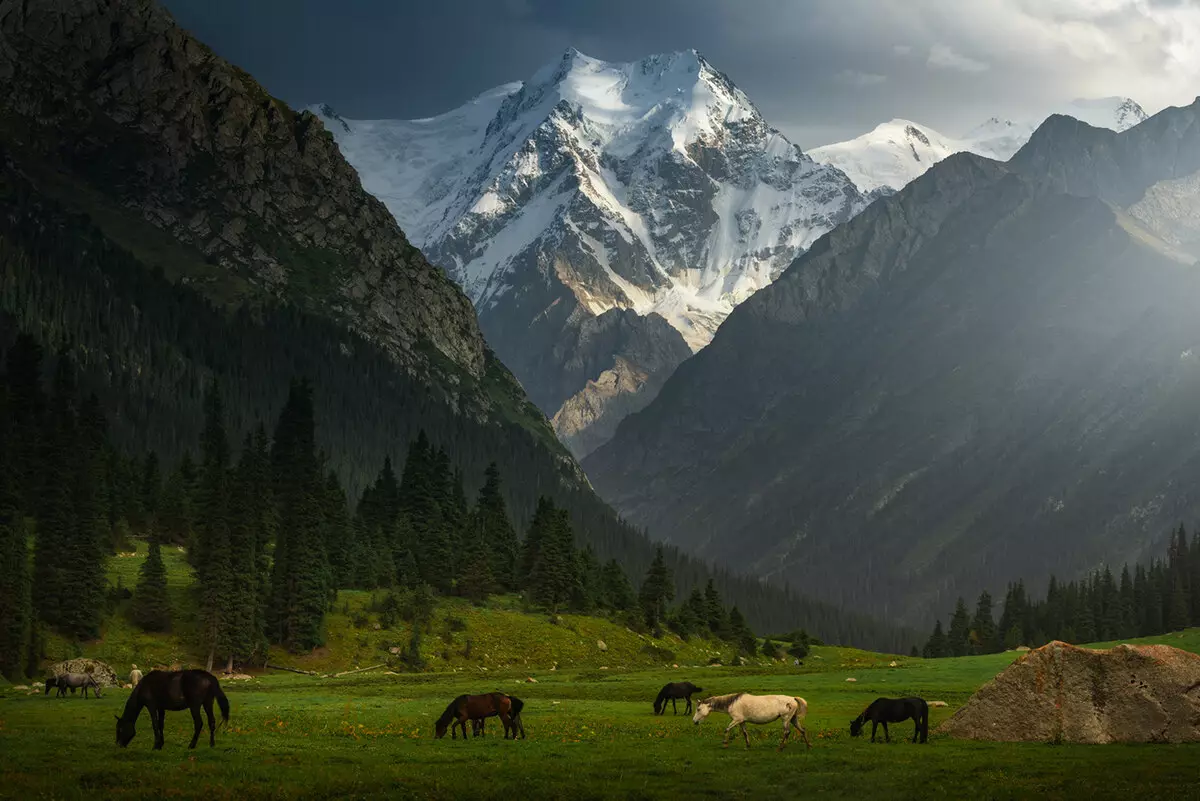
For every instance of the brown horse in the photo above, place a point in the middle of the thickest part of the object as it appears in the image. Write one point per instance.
(476, 707)
(477, 724)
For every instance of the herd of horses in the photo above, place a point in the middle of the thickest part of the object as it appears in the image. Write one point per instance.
(162, 691)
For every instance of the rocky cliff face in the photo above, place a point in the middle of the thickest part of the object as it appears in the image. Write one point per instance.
(985, 376)
(117, 97)
(654, 187)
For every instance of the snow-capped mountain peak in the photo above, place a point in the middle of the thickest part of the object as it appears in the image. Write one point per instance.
(891, 155)
(652, 186)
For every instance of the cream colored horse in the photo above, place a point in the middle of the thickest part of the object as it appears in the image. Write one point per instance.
(744, 708)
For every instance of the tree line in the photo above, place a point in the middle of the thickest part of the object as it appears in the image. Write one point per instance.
(269, 534)
(147, 345)
(1144, 601)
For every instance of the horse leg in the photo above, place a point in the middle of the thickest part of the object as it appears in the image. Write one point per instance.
(212, 724)
(157, 721)
(197, 723)
(506, 720)
(745, 736)
(887, 737)
(674, 708)
(916, 727)
(787, 729)
(687, 710)
(874, 728)
(803, 733)
(728, 729)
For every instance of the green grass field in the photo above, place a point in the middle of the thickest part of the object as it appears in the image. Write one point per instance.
(591, 730)
(592, 734)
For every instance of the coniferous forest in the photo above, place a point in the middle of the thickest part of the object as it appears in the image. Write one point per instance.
(149, 346)
(269, 532)
(1145, 600)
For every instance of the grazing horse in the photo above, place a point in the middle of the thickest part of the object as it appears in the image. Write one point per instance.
(72, 681)
(475, 707)
(673, 692)
(477, 724)
(162, 691)
(744, 708)
(894, 710)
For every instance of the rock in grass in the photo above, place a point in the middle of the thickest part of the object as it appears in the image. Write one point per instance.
(1062, 693)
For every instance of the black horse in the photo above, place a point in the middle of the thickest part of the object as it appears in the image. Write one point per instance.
(894, 710)
(673, 692)
(162, 691)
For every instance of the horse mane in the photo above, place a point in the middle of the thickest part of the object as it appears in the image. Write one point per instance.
(450, 710)
(721, 703)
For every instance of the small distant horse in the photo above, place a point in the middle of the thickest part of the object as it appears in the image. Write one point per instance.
(472, 707)
(477, 724)
(745, 708)
(73, 681)
(894, 710)
(162, 691)
(673, 692)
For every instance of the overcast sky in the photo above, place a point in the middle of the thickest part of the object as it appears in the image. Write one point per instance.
(820, 70)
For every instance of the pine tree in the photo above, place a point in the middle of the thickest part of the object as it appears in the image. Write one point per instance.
(741, 634)
(497, 530)
(553, 577)
(718, 622)
(616, 593)
(1126, 612)
(55, 508)
(89, 538)
(938, 645)
(984, 627)
(959, 640)
(587, 584)
(1178, 609)
(210, 553)
(16, 606)
(151, 487)
(27, 410)
(300, 573)
(658, 588)
(151, 607)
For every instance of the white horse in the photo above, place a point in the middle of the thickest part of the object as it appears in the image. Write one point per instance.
(745, 708)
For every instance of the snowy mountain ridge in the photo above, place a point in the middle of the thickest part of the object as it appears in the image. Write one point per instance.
(595, 188)
(886, 158)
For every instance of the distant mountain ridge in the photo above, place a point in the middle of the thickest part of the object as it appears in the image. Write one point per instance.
(887, 158)
(991, 373)
(654, 187)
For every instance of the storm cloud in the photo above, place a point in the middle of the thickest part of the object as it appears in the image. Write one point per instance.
(820, 70)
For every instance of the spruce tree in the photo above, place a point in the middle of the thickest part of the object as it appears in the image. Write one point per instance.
(741, 634)
(718, 622)
(959, 640)
(54, 508)
(615, 590)
(497, 530)
(27, 410)
(300, 573)
(658, 588)
(553, 577)
(16, 605)
(587, 585)
(1178, 608)
(89, 539)
(984, 627)
(210, 553)
(151, 608)
(938, 645)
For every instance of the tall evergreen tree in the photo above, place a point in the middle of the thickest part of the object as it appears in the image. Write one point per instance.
(718, 622)
(210, 553)
(553, 577)
(55, 505)
(984, 627)
(497, 531)
(615, 590)
(26, 409)
(89, 538)
(300, 573)
(151, 607)
(16, 606)
(741, 634)
(938, 646)
(657, 590)
(1178, 608)
(959, 640)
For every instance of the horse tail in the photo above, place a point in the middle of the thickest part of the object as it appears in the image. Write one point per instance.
(517, 705)
(222, 702)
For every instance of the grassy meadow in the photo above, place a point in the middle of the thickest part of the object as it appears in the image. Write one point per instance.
(591, 730)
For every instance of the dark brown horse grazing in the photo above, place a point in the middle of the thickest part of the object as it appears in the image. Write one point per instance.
(673, 692)
(894, 710)
(477, 707)
(477, 724)
(162, 691)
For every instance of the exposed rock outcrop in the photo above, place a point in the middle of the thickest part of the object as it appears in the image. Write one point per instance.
(1062, 693)
(104, 675)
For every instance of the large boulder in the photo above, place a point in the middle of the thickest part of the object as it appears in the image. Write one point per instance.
(105, 676)
(1062, 693)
